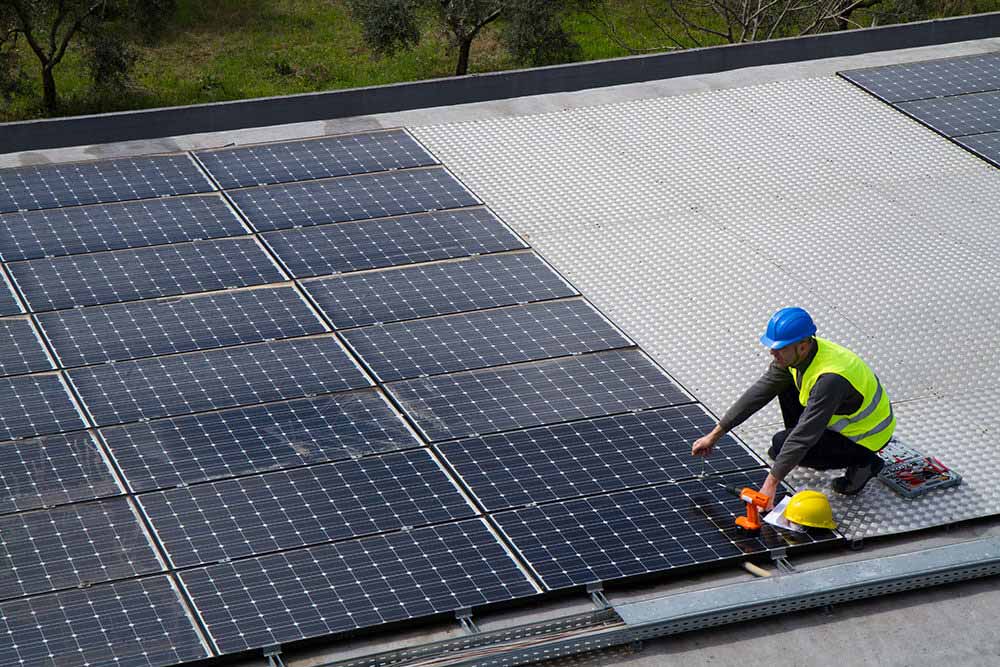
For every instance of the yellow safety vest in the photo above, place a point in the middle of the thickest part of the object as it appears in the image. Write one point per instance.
(873, 424)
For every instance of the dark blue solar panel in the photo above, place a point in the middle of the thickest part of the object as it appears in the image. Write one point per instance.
(36, 405)
(486, 338)
(215, 445)
(55, 185)
(960, 115)
(72, 545)
(986, 146)
(234, 518)
(53, 470)
(593, 456)
(140, 623)
(351, 198)
(71, 231)
(181, 324)
(21, 350)
(548, 392)
(314, 158)
(197, 381)
(436, 289)
(607, 537)
(8, 303)
(372, 244)
(338, 587)
(127, 275)
(930, 78)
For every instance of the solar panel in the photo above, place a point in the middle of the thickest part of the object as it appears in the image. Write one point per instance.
(551, 463)
(197, 381)
(930, 78)
(956, 116)
(8, 302)
(485, 338)
(21, 350)
(128, 275)
(314, 158)
(55, 185)
(53, 470)
(181, 324)
(83, 229)
(248, 516)
(139, 623)
(475, 403)
(986, 146)
(71, 546)
(338, 587)
(372, 244)
(351, 198)
(436, 289)
(36, 405)
(215, 445)
(648, 530)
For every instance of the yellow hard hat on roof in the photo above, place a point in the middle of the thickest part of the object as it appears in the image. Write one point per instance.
(810, 508)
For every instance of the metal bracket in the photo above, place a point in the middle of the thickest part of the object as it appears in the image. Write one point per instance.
(596, 592)
(780, 558)
(464, 617)
(273, 655)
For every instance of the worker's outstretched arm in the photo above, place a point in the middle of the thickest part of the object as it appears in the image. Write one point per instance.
(774, 381)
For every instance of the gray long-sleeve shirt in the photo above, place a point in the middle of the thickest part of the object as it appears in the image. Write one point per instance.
(831, 395)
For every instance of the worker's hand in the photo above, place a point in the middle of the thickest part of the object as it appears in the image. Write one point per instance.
(769, 489)
(703, 446)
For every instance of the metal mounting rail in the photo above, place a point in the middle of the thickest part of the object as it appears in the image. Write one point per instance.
(685, 612)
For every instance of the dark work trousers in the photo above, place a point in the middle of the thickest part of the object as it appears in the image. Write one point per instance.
(831, 451)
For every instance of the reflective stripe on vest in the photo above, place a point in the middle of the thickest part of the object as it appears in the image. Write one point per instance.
(873, 424)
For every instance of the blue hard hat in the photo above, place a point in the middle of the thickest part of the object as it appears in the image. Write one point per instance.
(787, 326)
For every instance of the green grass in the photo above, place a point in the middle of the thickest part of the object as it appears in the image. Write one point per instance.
(237, 49)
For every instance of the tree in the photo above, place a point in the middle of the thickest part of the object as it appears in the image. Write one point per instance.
(532, 27)
(50, 26)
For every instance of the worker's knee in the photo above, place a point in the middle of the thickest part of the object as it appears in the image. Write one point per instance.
(777, 441)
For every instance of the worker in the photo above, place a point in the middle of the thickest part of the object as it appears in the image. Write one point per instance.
(836, 412)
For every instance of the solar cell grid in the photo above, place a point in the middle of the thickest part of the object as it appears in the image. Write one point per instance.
(314, 158)
(513, 397)
(83, 229)
(355, 584)
(53, 470)
(8, 302)
(138, 623)
(199, 381)
(986, 146)
(231, 519)
(21, 350)
(351, 198)
(960, 115)
(72, 545)
(36, 405)
(371, 244)
(147, 328)
(436, 289)
(589, 457)
(930, 78)
(55, 185)
(128, 275)
(238, 441)
(606, 537)
(486, 338)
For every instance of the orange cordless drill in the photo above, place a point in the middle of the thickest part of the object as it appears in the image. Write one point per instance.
(755, 501)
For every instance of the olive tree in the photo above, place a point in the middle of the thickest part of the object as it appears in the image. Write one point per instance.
(531, 28)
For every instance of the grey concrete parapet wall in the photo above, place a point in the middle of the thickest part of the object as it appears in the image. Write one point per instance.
(261, 112)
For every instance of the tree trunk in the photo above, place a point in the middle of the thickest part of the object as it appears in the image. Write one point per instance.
(464, 46)
(49, 98)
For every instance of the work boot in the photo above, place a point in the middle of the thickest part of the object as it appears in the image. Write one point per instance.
(855, 477)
